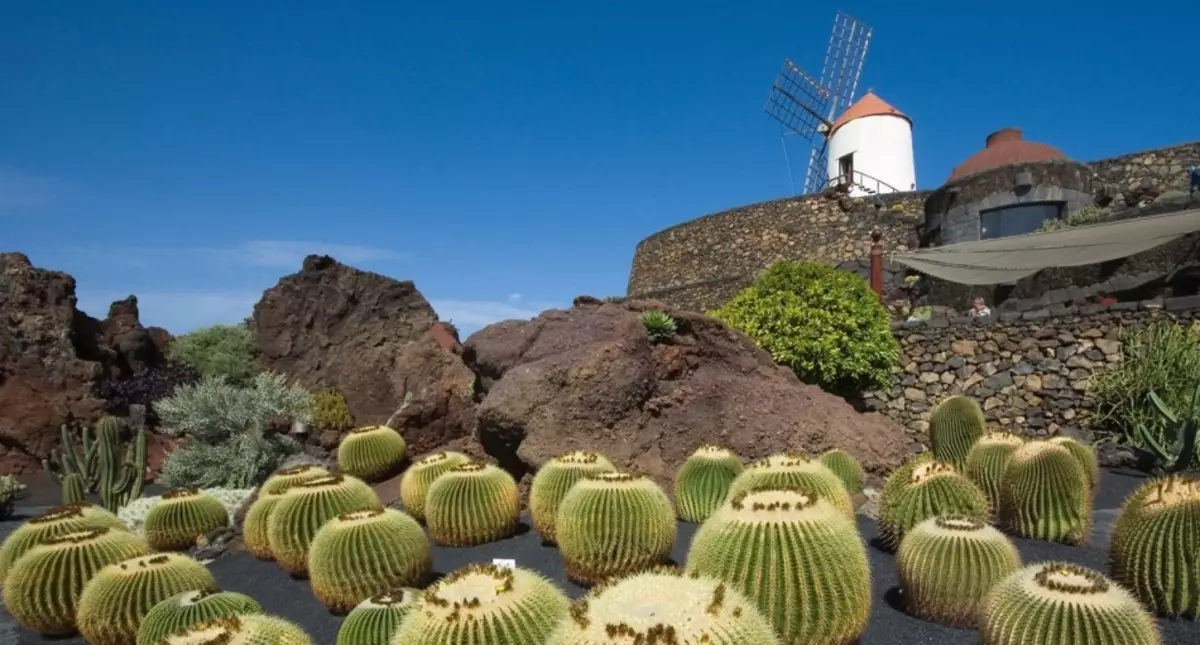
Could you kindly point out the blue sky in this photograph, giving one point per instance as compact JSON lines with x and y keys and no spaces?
{"x":504,"y":156}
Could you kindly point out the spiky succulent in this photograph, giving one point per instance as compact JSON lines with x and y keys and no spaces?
{"x":189,"y":608}
{"x":1044,"y":495}
{"x":375,"y":620}
{"x":282,"y":479}
{"x":472,"y":503}
{"x":702,"y":483}
{"x":1085,"y":454}
{"x":115,"y":599}
{"x":665,"y":606}
{"x":180,"y":516}
{"x":554,"y":479}
{"x":414,"y":485}
{"x":371,"y":453}
{"x":42,"y":588}
{"x":614,"y":524}
{"x":789,"y":548}
{"x":954,"y":426}
{"x":1155,"y":545}
{"x":947,"y":566}
{"x":302,"y":510}
{"x":246,"y":629}
{"x":794,"y":471}
{"x":846,"y":467}
{"x":925,"y":488}
{"x":60,"y":520}
{"x":359,"y":554}
{"x":1060,"y":602}
{"x":485,"y":604}
{"x":988,"y":459}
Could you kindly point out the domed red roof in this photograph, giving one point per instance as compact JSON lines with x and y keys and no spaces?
{"x":1002,"y":148}
{"x":869,"y":105}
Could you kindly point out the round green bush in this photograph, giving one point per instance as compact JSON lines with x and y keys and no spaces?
{"x":925,"y":488}
{"x":826,"y":324}
{"x":218,"y":351}
{"x":788,"y":548}
{"x":371,"y":453}
{"x":472,"y":504}
{"x":954,"y":426}
{"x":485,"y":604}
{"x":614,"y":524}
{"x":188,"y":608}
{"x":988,"y":459}
{"x":1044,"y":495}
{"x":702,"y":482}
{"x":60,"y":520}
{"x":846,"y":467}
{"x":116,"y":599}
{"x":1156,"y":543}
{"x":554,"y":479}
{"x":180,"y":516}
{"x":665,"y":606}
{"x":244,"y":629}
{"x":42,"y":588}
{"x":359,"y":554}
{"x":1060,"y":602}
{"x":375,"y":620}
{"x":414,"y":485}
{"x":304,"y":508}
{"x":794,"y":471}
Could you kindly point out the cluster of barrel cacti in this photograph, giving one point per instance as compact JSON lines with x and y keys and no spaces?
{"x":99,"y":465}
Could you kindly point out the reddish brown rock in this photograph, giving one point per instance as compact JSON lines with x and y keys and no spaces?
{"x":589,"y":378}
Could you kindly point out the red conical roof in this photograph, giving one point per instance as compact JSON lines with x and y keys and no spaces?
{"x":868,"y":105}
{"x":1003,"y":148}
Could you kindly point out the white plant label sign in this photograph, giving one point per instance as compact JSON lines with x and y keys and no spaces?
{"x":504,"y":562}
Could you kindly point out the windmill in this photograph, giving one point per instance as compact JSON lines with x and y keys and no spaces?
{"x":807,"y":108}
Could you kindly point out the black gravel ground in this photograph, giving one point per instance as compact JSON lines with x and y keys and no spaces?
{"x":290,"y":598}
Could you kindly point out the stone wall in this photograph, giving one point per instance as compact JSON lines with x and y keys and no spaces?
{"x":1029,"y":370}
{"x":1129,"y":177}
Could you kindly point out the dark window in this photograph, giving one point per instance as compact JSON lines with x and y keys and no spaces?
{"x":1018,"y":219}
{"x":846,"y":168}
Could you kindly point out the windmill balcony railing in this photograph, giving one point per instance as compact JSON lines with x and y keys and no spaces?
{"x":858,"y":179}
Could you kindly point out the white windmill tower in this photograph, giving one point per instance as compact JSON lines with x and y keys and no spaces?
{"x":864,"y":145}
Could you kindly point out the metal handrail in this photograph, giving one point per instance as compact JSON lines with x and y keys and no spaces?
{"x":859,"y":178}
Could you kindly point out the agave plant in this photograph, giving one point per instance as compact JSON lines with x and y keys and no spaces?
{"x":659,"y":325}
{"x":1182,"y":451}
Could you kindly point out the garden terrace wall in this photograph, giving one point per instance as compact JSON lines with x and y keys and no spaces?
{"x":1029,"y":370}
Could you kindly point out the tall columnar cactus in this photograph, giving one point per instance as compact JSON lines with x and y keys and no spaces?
{"x":60,"y":520}
{"x":954,"y":426}
{"x":846,"y":467}
{"x":72,"y":489}
{"x":371,"y":453}
{"x":42,"y":588}
{"x":925,"y":488}
{"x":702,"y":482}
{"x":1059,"y":602}
{"x":1044,"y":495}
{"x":614,"y":524}
{"x":554,"y":479}
{"x":116,"y":599}
{"x":472,"y":504}
{"x":414,"y":485}
{"x":117,"y":475}
{"x":304,"y":508}
{"x":360,"y":554}
{"x":794,"y":471}
{"x":484,"y":604}
{"x":1085,"y":454}
{"x":988,"y":459}
{"x":947,"y":566}
{"x":1156,"y":543}
{"x":374,"y":620}
{"x":188,"y":608}
{"x":180,"y":516}
{"x":814,"y":555}
{"x":245,"y":629}
{"x":665,"y":606}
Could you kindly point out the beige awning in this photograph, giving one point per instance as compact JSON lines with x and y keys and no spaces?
{"x":1009,"y":259}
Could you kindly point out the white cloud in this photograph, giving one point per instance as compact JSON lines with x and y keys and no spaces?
{"x":514,"y":297}
{"x":471,"y":315}
{"x":177,"y":311}
{"x":290,"y":254}
{"x":19,"y":190}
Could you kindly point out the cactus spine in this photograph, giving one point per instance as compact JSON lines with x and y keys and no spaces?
{"x":947,"y":566}
{"x":371,"y":453}
{"x":794,"y":471}
{"x":846,"y":467}
{"x":986,"y":463}
{"x":925,"y":488}
{"x":363,"y":553}
{"x":472,"y":504}
{"x":101,"y":467}
{"x":1085,"y":454}
{"x":614,"y":524}
{"x":1059,"y":602}
{"x":374,"y":620}
{"x":954,"y":426}
{"x":246,"y":629}
{"x":1155,"y":546}
{"x":414,"y":485}
{"x":188,"y":608}
{"x":796,"y":556}
{"x":703,"y":481}
{"x":60,"y":520}
{"x":180,"y":516}
{"x":483,"y":604}
{"x":1044,"y":495}
{"x":554,"y":479}
{"x":306,"y":506}
{"x":116,"y":599}
{"x":665,"y":606}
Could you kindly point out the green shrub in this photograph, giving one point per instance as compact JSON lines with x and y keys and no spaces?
{"x":1080,"y":217}
{"x":330,"y":412}
{"x":826,"y":324}
{"x":1163,"y":358}
{"x":230,"y":442}
{"x":219,"y":350}
{"x":659,"y":325}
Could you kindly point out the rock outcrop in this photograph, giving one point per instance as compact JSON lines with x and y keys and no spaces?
{"x":590,"y":378}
